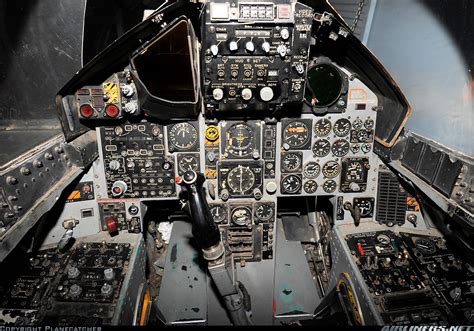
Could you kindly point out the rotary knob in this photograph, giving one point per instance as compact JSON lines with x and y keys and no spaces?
{"x":75,"y":290}
{"x":246,"y":94}
{"x":118,"y":188}
{"x":73,"y":272}
{"x":217,"y":94}
{"x":266,"y":47}
{"x":114,"y":165}
{"x":266,"y":93}
{"x":106,"y":289}
{"x":285,"y":34}
{"x":249,"y":46}
{"x":233,"y":46}
{"x":214,"y":50}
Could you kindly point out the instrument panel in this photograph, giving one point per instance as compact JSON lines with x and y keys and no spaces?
{"x":246,"y":161}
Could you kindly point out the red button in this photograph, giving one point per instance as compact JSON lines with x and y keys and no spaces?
{"x":111,"y":224}
{"x":111,"y":110}
{"x":86,"y":110}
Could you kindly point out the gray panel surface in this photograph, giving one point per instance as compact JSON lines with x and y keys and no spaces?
{"x":183,"y":292}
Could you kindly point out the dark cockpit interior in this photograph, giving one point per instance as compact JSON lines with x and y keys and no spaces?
{"x":230,"y":162}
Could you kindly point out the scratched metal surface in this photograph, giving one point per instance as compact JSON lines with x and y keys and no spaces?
{"x":40,"y":49}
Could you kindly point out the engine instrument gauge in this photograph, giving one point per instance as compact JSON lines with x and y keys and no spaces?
{"x":322,"y":127}
{"x":310,"y":186}
{"x":355,"y":148}
{"x":340,"y":147}
{"x":219,"y":213}
{"x":311,"y":169}
{"x":187,"y":162}
{"x":321,"y":147}
{"x":291,"y":184}
{"x":296,"y":134}
{"x":242,"y":216}
{"x":425,"y":246}
{"x":329,"y":186}
{"x":357,"y":124}
{"x":342,"y":127}
{"x":291,"y":161}
{"x":331,"y":169}
{"x":362,"y":136}
{"x":366,"y":147}
{"x":264,"y":212}
{"x":369,"y":124}
{"x":182,"y":136}
{"x":239,"y":139}
{"x":240,"y":179}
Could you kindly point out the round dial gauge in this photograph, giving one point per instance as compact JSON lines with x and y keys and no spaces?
{"x":321,"y":147}
{"x":242,"y":216}
{"x":354,"y":171}
{"x":310,"y":186}
{"x":329,"y":186}
{"x":340,"y":147}
{"x":291,"y":184}
{"x":239,"y":139}
{"x":369,"y":124}
{"x":296,"y":134}
{"x":362,"y":136}
{"x":240,"y":179}
{"x":331,"y":169}
{"x":322,"y":127}
{"x":219,"y":213}
{"x":292,"y":161}
{"x":188,"y":162}
{"x":311,"y":169}
{"x":342,"y":127}
{"x":365,"y":148}
{"x":365,"y":207}
{"x":183,"y":136}
{"x":355,"y":148}
{"x":264,"y":212}
{"x":425,"y":246}
{"x":357,"y":124}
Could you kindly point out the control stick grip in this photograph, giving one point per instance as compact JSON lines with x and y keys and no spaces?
{"x":205,"y":230}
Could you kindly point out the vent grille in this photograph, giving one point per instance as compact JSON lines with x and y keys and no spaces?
{"x":391,"y":200}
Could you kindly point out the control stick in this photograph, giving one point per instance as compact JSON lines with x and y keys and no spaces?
{"x":220,"y":261}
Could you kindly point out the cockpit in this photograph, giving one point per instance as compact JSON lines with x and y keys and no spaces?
{"x":230,"y":162}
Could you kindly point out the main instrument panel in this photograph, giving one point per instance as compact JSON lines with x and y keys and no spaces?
{"x":256,"y":65}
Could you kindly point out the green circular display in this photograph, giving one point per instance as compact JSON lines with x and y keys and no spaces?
{"x":323,"y":85}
